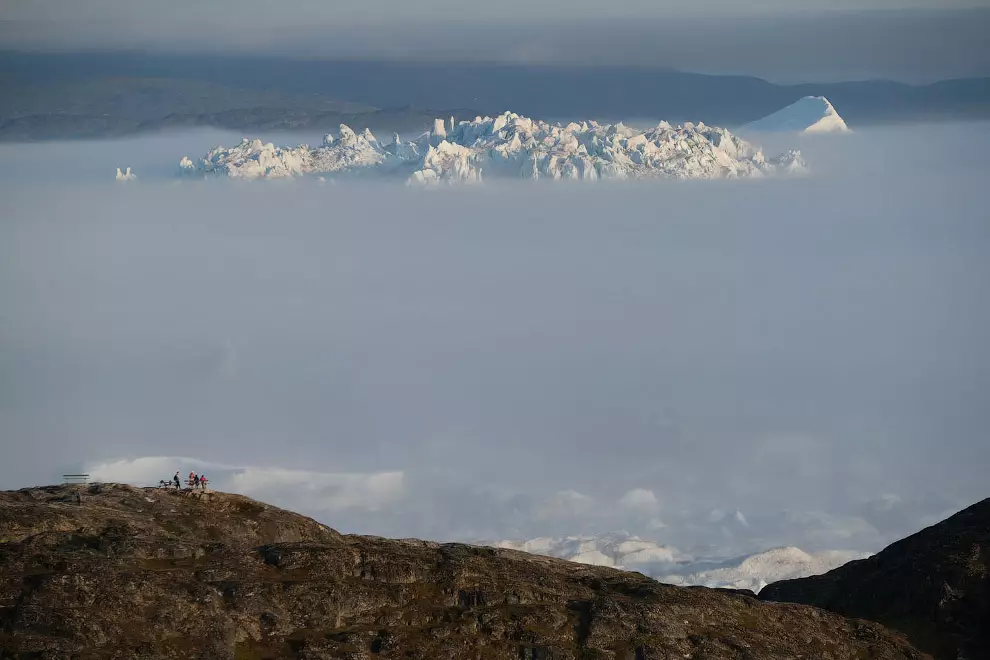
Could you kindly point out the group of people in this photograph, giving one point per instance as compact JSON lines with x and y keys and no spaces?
{"x":193,"y":481}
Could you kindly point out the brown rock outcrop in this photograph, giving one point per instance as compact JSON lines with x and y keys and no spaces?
{"x":154,"y":574}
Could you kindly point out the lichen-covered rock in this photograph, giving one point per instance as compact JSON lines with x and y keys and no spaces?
{"x":155,"y":574}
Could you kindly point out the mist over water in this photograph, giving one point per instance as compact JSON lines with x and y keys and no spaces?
{"x":512,"y":360}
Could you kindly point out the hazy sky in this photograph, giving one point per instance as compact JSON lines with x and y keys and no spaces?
{"x":512,"y":361}
{"x":783,"y":41}
{"x":297,"y":11}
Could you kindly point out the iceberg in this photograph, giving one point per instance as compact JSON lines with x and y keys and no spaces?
{"x":126,"y":175}
{"x":811,"y":114}
{"x":668,"y":564}
{"x":756,"y":571}
{"x":508,"y":146}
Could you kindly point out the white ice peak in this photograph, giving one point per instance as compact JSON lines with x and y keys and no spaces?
{"x":811,"y":114}
{"x":126,"y":175}
{"x":511,"y":146}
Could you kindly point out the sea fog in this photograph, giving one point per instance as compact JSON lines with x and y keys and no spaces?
{"x":513,"y":359}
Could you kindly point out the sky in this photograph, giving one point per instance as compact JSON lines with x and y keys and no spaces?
{"x":512,"y":361}
{"x":299,"y":11}
{"x":787,"y":41}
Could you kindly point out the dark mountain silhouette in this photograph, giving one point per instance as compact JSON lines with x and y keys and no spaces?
{"x":65,"y":95}
{"x":934,"y":586}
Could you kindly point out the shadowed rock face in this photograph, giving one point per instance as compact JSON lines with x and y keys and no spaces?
{"x":144,"y":573}
{"x":934,"y":586}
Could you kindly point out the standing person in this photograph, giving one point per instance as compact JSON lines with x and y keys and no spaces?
{"x":202,"y":482}
{"x":190,"y":481}
{"x":176,"y":480}
{"x":196,"y":481}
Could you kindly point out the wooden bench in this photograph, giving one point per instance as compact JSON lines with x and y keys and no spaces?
{"x":75,"y":479}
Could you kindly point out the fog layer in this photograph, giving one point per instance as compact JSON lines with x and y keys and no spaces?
{"x":510,"y":361}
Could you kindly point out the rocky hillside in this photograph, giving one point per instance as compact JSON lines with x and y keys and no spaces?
{"x":146,"y":573}
{"x":934,"y":586}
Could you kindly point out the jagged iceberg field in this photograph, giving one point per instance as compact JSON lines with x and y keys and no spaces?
{"x":668,"y":564}
{"x":508,"y":146}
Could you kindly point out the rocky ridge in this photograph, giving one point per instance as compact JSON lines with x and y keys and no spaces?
{"x":155,"y":574}
{"x":934,"y":586}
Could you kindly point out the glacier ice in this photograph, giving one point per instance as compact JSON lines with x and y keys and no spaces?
{"x":508,"y":146}
{"x":811,"y":114}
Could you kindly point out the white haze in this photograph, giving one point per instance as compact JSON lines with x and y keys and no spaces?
{"x":513,"y":361}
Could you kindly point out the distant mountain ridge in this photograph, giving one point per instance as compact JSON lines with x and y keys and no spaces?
{"x":283,"y":93}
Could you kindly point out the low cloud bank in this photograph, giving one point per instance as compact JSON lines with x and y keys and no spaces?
{"x":515,"y":361}
{"x":320,"y":493}
{"x":696,"y":547}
